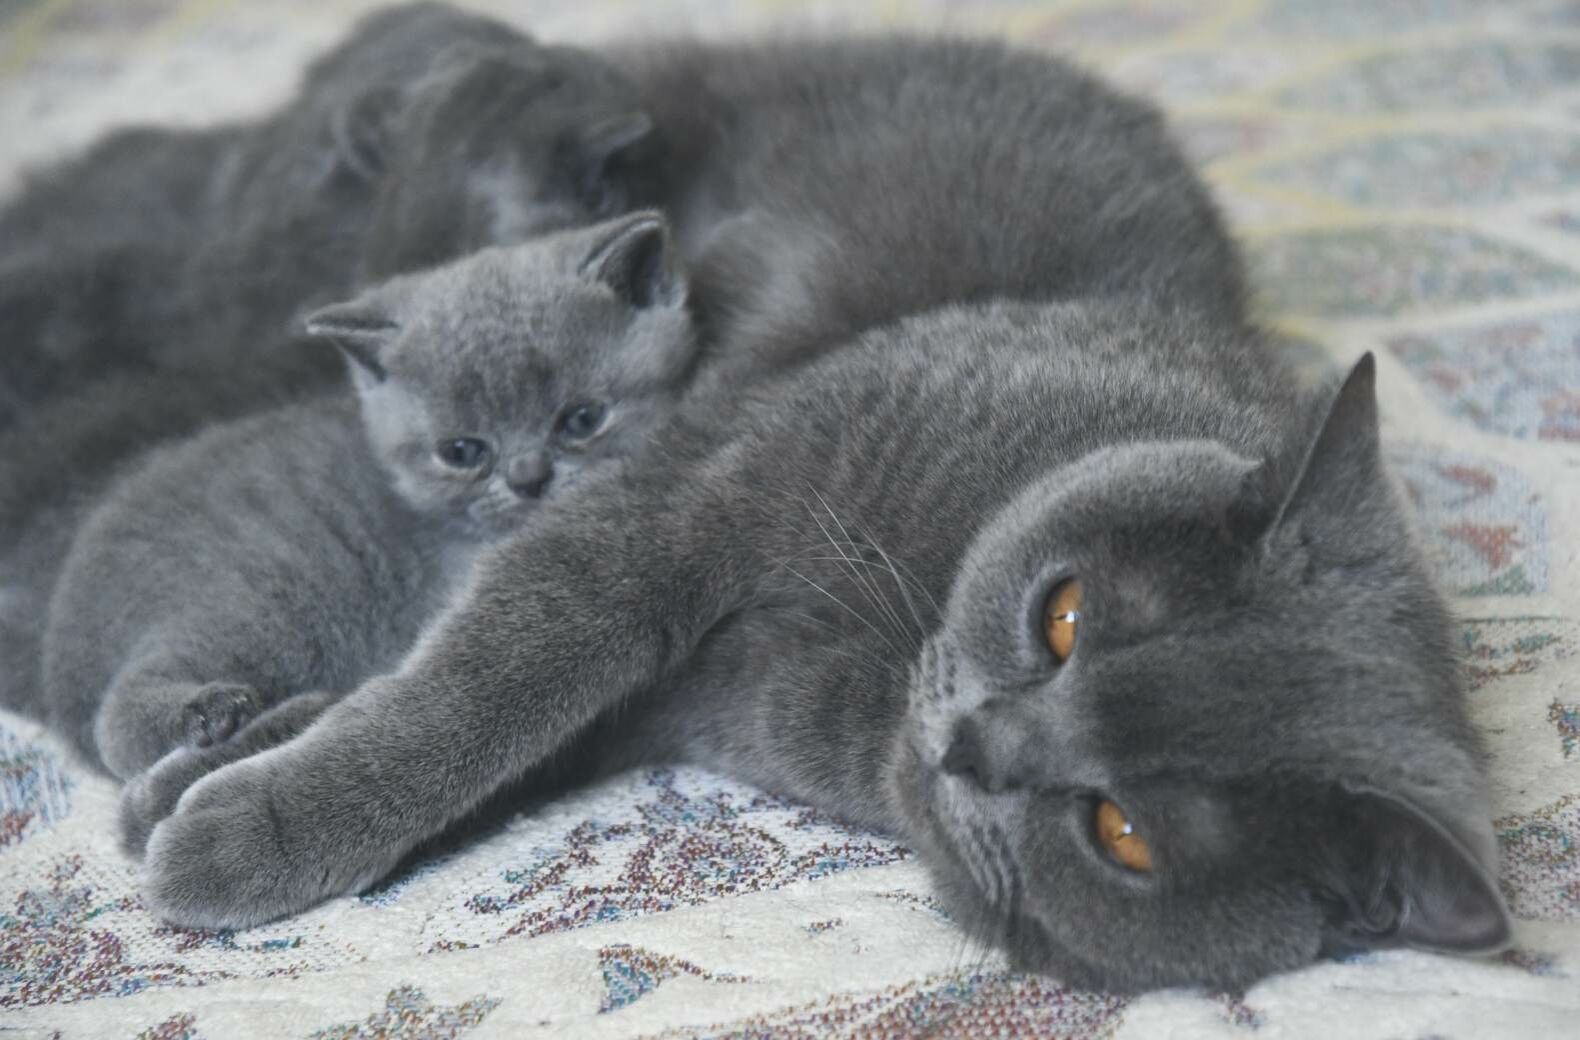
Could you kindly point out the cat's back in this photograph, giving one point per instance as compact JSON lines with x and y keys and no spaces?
{"x":830,"y":186}
{"x":139,"y":184}
{"x":280,"y":528}
{"x":254,"y":490}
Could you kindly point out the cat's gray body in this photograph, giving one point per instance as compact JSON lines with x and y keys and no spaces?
{"x":154,"y":286}
{"x":300,"y":551}
{"x":804,"y":181}
{"x":264,"y":558}
{"x":170,"y":250}
{"x":832,"y":582}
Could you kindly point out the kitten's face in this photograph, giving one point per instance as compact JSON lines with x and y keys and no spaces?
{"x":501,"y":145}
{"x":503,"y":379}
{"x":1174,"y":732}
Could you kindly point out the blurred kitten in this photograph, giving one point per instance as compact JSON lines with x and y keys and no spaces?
{"x":302,"y":550}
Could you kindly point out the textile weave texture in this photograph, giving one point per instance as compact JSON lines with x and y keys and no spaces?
{"x":1405,"y":175}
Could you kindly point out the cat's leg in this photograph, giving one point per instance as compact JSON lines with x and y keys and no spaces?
{"x":154,"y":706}
{"x":152,"y":795}
{"x":588,"y":608}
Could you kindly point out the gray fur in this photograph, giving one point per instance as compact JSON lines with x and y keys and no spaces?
{"x":823,"y":582}
{"x":166,"y":250}
{"x":301,"y":551}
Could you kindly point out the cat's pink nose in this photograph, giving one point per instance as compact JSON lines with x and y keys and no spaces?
{"x":529,"y":475}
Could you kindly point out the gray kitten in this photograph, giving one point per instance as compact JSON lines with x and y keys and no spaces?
{"x":302,"y":550}
{"x":1032,"y":554}
{"x":429,"y":133}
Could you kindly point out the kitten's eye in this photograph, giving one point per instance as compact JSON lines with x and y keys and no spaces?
{"x":582,"y":420}
{"x":1060,"y":617}
{"x":463,"y":453}
{"x":1119,"y":838}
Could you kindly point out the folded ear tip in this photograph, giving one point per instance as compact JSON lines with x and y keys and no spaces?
{"x":1479,"y":924}
{"x":646,"y":220}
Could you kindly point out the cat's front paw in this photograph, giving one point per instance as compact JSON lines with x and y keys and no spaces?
{"x":219,"y":860}
{"x":154,"y":793}
{"x":253,"y":841}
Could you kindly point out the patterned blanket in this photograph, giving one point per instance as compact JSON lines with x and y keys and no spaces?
{"x":1406,"y":176}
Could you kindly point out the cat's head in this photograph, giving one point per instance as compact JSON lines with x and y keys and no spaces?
{"x":1191,"y":720}
{"x":493,"y":383}
{"x":496,"y":145}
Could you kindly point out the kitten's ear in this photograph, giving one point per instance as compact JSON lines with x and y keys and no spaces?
{"x":364,"y":131}
{"x":1401,"y":879}
{"x":637,"y":260}
{"x":361,"y":328}
{"x":1342,"y":471}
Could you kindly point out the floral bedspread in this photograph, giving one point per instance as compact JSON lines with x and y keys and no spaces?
{"x":1406,"y":176}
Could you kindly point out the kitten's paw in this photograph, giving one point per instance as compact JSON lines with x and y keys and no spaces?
{"x":217,"y":711}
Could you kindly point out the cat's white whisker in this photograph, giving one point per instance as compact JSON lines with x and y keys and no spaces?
{"x":873,"y":593}
{"x":867,"y":588}
{"x":847,"y":608}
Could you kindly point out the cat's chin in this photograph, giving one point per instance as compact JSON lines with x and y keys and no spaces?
{"x":484,"y":521}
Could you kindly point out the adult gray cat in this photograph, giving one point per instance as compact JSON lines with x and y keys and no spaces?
{"x":427,"y":134}
{"x":1052,"y":570}
{"x":302,"y":550}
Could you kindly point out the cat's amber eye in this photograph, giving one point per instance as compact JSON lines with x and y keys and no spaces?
{"x":1060,"y":616}
{"x":1116,"y":835}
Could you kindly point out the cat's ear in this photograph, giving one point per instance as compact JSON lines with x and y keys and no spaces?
{"x":624,"y":140}
{"x":361,"y":328}
{"x":364,"y":131}
{"x":1400,"y":878}
{"x":636,"y":259}
{"x":1342,"y":471}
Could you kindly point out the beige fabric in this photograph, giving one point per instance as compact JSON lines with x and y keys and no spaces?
{"x":1406,"y":174}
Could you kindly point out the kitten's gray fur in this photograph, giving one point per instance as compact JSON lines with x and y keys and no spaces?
{"x":827,"y":582}
{"x":428,"y":134}
{"x":300,"y":551}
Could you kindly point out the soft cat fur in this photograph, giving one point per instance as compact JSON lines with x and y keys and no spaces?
{"x":832,"y":583}
{"x":300,"y":551}
{"x":163,"y":249}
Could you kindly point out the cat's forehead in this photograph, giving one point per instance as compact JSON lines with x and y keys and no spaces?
{"x":504,"y":334}
{"x":533,"y":92}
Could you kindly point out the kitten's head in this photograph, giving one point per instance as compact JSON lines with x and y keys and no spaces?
{"x":496,"y":382}
{"x":496,"y":145}
{"x":1189,"y":720}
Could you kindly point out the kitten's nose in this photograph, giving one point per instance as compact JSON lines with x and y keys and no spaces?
{"x":529,"y":475}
